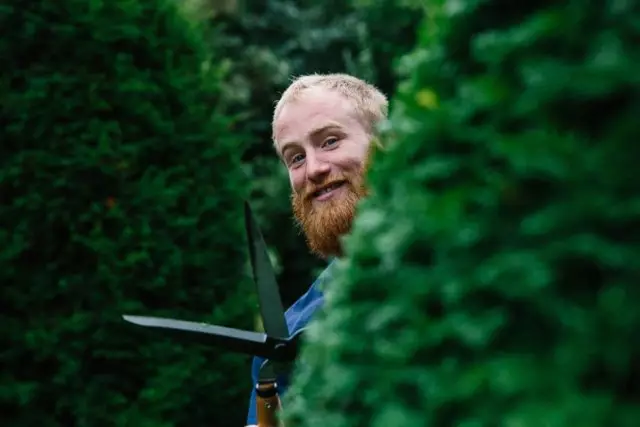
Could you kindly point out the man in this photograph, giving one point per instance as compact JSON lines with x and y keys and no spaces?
{"x":323,"y":127}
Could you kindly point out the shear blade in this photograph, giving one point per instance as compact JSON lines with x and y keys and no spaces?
{"x":271,"y":307}
{"x":249,"y":342}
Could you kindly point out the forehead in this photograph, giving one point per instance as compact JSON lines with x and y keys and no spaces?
{"x":313,"y":109}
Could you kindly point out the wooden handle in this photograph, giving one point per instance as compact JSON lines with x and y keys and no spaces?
{"x":268,"y":403}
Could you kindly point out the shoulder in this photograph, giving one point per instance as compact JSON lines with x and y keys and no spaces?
{"x":301,"y":311}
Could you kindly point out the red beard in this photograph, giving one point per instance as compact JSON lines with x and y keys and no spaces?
{"x":324,"y":223}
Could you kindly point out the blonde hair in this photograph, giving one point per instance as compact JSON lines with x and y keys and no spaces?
{"x":370,"y":103}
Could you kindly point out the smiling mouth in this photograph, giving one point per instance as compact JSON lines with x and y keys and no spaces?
{"x":328,"y":188}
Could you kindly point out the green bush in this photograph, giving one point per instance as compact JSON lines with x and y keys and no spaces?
{"x":122,"y":193}
{"x":491,"y":278}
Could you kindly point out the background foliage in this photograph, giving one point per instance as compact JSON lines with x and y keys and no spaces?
{"x":119,"y":174}
{"x":505,"y":254}
{"x":122,"y":193}
{"x":494,"y":277}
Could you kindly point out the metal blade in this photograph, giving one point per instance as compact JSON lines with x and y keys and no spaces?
{"x":267,"y":372}
{"x":248,"y":342}
{"x":271,"y":306}
{"x":270,"y":370}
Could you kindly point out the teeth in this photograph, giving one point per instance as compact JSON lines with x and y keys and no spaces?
{"x":327,"y":189}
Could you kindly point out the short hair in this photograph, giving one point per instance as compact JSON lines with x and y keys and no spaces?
{"x":370,"y":103}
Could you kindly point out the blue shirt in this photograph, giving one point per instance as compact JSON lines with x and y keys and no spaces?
{"x":297,"y":317}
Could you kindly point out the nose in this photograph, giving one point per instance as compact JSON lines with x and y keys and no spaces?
{"x":317,"y":170}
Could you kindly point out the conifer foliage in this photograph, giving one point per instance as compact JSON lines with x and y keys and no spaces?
{"x":491,"y":278}
{"x":121,"y":193}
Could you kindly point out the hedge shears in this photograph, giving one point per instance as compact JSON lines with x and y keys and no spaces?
{"x":274,"y":345}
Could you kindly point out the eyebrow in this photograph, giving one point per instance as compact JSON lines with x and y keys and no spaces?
{"x":314,"y":133}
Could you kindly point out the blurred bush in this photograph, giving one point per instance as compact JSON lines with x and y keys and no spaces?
{"x":491,"y":278}
{"x":122,"y":192}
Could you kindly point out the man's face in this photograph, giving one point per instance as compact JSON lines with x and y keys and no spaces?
{"x":325,"y":147}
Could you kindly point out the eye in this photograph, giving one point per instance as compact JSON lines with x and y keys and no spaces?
{"x":296,"y":158}
{"x":330,"y":142}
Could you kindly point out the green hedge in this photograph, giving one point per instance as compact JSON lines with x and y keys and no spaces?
{"x":121,"y":193}
{"x":491,"y":278}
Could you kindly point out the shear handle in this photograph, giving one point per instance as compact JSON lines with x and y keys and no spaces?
{"x":268,"y":403}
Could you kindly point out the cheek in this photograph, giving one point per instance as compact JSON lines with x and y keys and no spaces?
{"x":296,"y":179}
{"x":351,"y":163}
{"x":352,"y":159}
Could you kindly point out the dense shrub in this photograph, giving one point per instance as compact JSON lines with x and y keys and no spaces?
{"x":491,"y":278}
{"x":122,"y":193}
